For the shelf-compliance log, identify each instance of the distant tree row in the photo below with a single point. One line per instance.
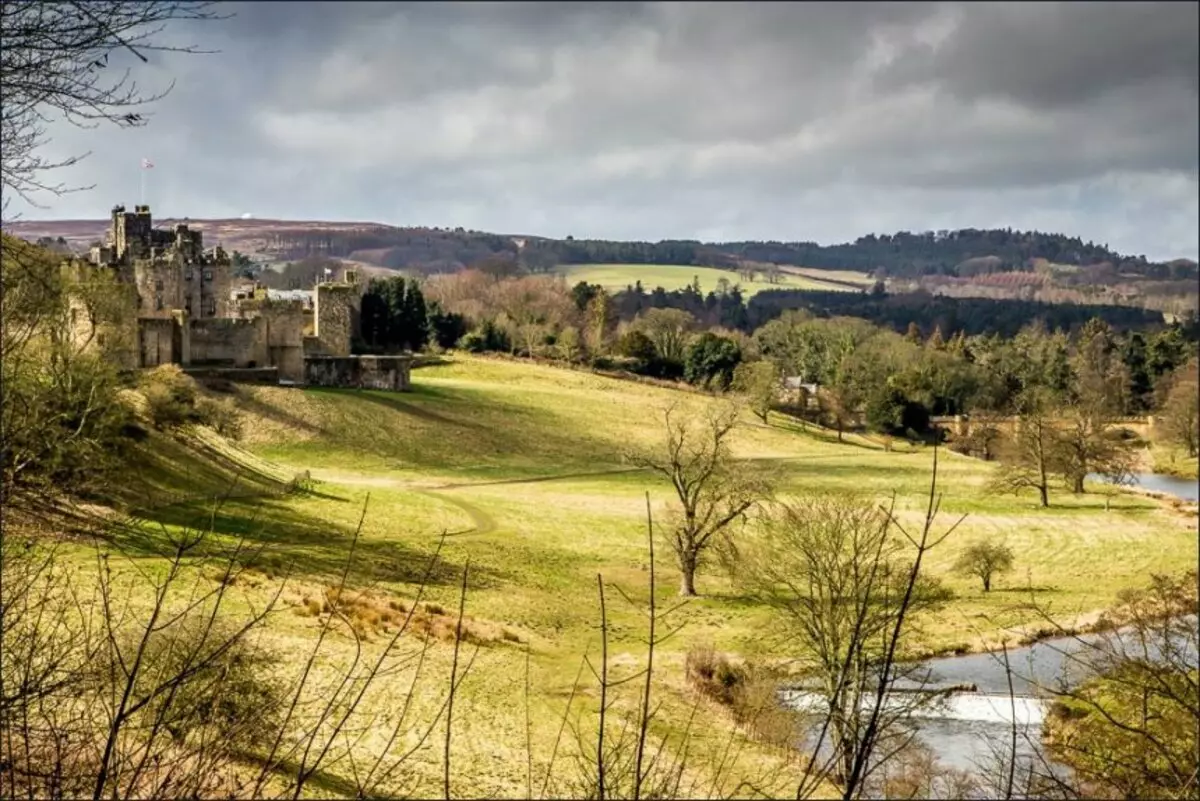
(964, 253)
(726, 307)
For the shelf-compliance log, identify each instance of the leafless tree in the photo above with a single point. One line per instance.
(848, 592)
(60, 60)
(1030, 461)
(712, 490)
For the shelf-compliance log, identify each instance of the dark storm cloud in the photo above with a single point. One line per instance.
(653, 120)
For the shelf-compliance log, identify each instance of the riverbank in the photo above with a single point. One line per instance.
(1175, 463)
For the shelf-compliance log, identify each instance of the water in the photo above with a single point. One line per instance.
(966, 730)
(1184, 488)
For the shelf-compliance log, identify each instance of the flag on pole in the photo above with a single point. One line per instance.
(147, 164)
(328, 272)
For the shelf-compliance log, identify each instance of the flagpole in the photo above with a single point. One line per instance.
(142, 186)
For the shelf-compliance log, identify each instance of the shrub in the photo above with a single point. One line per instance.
(712, 674)
(170, 397)
(220, 415)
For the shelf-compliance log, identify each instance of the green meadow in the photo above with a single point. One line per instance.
(616, 277)
(518, 469)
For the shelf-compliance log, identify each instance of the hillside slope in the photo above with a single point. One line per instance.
(521, 469)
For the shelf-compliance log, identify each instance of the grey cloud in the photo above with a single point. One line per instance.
(776, 120)
(1050, 55)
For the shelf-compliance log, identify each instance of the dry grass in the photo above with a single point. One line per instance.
(372, 614)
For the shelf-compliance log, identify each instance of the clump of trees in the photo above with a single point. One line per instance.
(393, 315)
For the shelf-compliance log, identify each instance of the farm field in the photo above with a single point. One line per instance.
(521, 467)
(615, 277)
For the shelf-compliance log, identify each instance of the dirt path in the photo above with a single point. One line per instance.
(483, 522)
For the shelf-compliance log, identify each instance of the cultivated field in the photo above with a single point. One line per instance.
(615, 277)
(521, 466)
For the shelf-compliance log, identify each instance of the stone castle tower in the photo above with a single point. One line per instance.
(171, 269)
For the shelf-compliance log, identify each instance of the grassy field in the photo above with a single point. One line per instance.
(522, 467)
(615, 277)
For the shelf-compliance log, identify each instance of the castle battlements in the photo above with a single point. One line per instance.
(184, 310)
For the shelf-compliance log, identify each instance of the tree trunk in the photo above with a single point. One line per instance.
(1077, 484)
(687, 580)
(987, 583)
(1044, 493)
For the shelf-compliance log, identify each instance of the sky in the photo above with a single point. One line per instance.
(699, 120)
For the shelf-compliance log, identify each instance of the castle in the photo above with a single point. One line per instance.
(175, 303)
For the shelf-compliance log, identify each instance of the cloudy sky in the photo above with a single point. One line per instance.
(674, 120)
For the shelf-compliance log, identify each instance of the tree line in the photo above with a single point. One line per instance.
(1072, 384)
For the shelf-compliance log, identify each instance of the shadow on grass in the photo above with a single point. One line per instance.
(398, 404)
(1023, 590)
(276, 414)
(293, 542)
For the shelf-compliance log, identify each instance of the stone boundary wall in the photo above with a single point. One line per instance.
(361, 372)
(244, 375)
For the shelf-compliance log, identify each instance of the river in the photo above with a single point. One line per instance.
(966, 729)
(1187, 489)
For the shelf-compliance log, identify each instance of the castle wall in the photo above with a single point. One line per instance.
(362, 372)
(333, 311)
(157, 341)
(285, 338)
(229, 341)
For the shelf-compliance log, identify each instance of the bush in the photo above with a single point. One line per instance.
(712, 674)
(220, 415)
(170, 397)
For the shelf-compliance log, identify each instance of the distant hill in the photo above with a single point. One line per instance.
(966, 263)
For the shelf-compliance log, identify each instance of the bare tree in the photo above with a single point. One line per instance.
(848, 594)
(668, 329)
(59, 59)
(985, 560)
(1180, 409)
(1126, 707)
(712, 490)
(1031, 460)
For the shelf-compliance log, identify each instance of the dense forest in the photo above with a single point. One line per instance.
(971, 316)
(965, 252)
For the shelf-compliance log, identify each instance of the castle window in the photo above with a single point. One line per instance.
(208, 275)
(158, 304)
(158, 285)
(210, 307)
(187, 275)
(187, 306)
